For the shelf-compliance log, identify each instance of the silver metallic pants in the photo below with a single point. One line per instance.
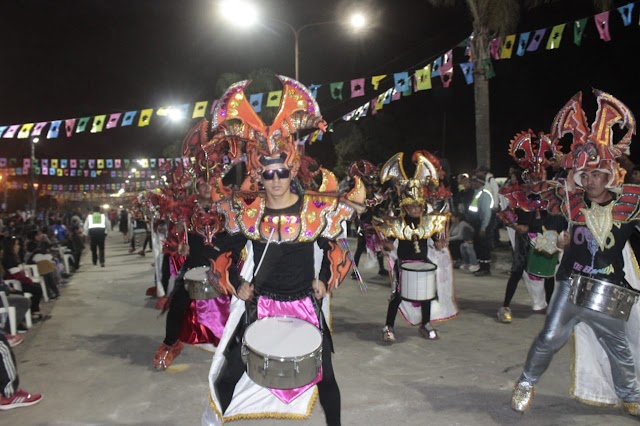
(562, 316)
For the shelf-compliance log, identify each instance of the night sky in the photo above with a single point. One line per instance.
(64, 59)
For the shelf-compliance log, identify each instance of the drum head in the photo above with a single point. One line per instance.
(197, 274)
(283, 336)
(419, 266)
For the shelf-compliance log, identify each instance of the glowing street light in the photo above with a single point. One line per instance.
(244, 14)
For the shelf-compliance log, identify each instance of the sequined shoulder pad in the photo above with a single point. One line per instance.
(627, 206)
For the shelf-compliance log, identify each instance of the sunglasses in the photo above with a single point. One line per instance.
(282, 174)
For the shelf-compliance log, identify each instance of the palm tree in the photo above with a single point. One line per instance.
(491, 19)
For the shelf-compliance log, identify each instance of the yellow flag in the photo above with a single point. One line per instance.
(274, 98)
(380, 101)
(54, 163)
(145, 117)
(100, 163)
(375, 80)
(200, 109)
(555, 37)
(423, 78)
(507, 47)
(25, 130)
(98, 123)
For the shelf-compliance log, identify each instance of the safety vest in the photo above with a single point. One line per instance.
(473, 207)
(98, 220)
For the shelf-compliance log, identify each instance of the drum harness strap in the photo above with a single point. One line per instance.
(316, 303)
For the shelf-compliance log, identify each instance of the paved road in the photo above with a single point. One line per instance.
(92, 359)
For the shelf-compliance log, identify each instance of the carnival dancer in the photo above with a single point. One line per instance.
(601, 215)
(527, 223)
(293, 260)
(417, 236)
(368, 239)
(194, 315)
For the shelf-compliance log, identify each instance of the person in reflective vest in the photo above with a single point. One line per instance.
(97, 226)
(481, 217)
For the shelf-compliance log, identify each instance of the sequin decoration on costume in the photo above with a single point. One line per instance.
(599, 221)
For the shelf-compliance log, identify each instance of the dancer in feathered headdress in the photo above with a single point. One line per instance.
(596, 285)
(420, 250)
(524, 216)
(294, 259)
(196, 314)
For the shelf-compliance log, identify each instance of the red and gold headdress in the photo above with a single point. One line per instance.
(364, 169)
(594, 148)
(534, 153)
(235, 121)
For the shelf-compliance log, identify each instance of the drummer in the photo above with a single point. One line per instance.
(601, 216)
(203, 323)
(280, 277)
(412, 231)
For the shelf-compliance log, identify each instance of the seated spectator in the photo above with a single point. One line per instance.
(461, 244)
(18, 301)
(75, 243)
(10, 269)
(59, 231)
(46, 268)
(11, 395)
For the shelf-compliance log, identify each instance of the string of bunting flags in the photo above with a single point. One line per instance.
(90, 167)
(50, 189)
(404, 83)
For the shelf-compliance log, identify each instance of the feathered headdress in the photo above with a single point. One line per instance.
(410, 190)
(534, 153)
(594, 148)
(236, 123)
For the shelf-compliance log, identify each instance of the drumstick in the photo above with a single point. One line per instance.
(345, 246)
(255, 272)
(566, 193)
(186, 232)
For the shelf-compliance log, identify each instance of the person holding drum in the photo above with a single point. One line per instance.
(276, 347)
(596, 286)
(196, 312)
(414, 273)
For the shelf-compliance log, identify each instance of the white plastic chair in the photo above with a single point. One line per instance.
(15, 284)
(32, 272)
(66, 257)
(10, 311)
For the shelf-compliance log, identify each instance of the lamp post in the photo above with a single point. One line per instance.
(32, 174)
(231, 10)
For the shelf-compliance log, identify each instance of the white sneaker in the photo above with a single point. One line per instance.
(388, 335)
(473, 268)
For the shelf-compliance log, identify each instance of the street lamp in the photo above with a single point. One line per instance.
(245, 14)
(34, 185)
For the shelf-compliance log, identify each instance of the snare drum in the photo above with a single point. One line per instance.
(282, 352)
(601, 296)
(418, 281)
(541, 264)
(198, 285)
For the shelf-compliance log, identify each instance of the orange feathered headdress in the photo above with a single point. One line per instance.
(594, 148)
(234, 119)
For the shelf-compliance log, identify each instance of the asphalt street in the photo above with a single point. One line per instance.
(92, 359)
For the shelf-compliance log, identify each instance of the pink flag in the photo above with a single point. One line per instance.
(69, 123)
(113, 120)
(37, 131)
(602, 23)
(357, 87)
